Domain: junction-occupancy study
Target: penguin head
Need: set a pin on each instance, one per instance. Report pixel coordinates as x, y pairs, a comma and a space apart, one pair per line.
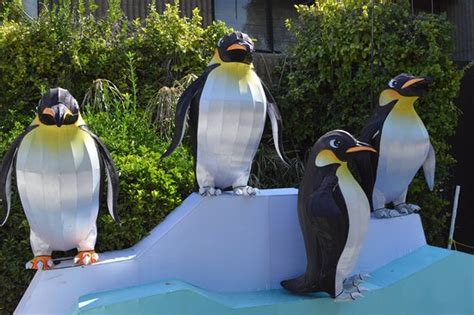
404, 86
236, 47
337, 147
58, 107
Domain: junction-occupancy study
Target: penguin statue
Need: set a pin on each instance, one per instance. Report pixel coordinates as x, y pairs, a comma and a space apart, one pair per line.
227, 106
58, 163
334, 214
403, 143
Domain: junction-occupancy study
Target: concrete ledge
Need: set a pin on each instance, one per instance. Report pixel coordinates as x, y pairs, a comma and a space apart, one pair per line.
222, 244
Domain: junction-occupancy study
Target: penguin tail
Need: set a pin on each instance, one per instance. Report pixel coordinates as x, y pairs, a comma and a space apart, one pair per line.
301, 285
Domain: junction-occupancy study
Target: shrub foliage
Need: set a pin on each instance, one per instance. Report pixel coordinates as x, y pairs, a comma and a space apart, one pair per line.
72, 48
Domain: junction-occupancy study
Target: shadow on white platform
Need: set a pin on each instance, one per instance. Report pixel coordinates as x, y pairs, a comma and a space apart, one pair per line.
222, 244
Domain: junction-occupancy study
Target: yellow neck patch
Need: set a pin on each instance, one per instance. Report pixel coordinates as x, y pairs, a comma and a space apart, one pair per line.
388, 96
405, 105
327, 157
80, 121
230, 65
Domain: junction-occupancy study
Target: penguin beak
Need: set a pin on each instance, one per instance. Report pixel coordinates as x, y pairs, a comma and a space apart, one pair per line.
361, 146
236, 47
61, 112
421, 82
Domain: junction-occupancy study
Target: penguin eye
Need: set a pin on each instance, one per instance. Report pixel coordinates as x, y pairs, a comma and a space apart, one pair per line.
335, 143
392, 83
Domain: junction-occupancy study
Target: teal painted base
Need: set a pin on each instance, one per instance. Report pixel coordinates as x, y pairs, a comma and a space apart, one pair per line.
430, 280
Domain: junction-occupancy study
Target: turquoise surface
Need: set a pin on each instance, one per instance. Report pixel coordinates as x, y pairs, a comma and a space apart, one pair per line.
430, 280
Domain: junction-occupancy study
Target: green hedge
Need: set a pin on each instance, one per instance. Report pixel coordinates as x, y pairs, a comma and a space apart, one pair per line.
328, 82
71, 48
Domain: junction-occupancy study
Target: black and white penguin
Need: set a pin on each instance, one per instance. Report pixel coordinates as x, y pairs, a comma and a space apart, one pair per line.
334, 214
58, 164
227, 104
403, 143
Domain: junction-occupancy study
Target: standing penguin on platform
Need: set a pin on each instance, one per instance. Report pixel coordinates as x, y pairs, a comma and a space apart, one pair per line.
334, 214
58, 164
227, 106
403, 143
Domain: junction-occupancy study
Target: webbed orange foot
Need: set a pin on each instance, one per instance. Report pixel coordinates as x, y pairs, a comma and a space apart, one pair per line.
40, 263
87, 257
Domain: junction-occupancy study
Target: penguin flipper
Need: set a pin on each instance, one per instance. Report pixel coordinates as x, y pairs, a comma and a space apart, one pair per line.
182, 109
374, 125
322, 206
6, 170
277, 125
429, 167
322, 201
110, 171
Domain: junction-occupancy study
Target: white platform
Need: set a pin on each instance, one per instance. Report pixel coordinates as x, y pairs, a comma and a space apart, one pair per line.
226, 243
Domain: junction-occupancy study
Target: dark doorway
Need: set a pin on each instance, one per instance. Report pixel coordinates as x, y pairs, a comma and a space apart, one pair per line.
464, 171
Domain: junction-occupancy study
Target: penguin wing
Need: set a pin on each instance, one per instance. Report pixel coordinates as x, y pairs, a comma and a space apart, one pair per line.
322, 201
277, 125
373, 127
182, 109
429, 167
110, 171
6, 170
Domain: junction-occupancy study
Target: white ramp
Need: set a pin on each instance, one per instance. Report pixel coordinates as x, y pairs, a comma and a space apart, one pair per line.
224, 244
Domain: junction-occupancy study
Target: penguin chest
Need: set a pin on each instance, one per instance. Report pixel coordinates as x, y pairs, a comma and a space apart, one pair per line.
58, 178
358, 210
231, 120
404, 146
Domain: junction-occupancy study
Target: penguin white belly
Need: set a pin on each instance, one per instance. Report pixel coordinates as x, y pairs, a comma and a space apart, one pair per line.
58, 179
232, 111
358, 210
404, 146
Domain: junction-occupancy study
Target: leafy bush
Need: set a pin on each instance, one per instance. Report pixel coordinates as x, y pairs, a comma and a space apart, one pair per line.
328, 82
71, 48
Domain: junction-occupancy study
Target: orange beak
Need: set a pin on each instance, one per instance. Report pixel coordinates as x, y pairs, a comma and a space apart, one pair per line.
361, 148
236, 47
411, 82
48, 111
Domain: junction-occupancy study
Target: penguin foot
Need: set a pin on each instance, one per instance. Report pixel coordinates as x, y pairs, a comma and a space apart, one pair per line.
352, 284
209, 191
245, 191
40, 263
385, 213
356, 279
346, 296
407, 208
87, 257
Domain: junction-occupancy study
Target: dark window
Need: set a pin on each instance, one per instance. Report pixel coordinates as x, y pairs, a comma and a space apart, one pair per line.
263, 20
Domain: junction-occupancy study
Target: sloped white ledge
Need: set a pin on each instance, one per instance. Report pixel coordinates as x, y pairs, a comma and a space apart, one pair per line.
223, 244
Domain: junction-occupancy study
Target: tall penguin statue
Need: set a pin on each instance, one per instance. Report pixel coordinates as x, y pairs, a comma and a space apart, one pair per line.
227, 106
334, 214
58, 164
403, 143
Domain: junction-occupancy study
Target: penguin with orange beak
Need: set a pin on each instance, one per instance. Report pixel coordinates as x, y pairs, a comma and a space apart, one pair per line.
227, 107
403, 143
334, 213
59, 163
